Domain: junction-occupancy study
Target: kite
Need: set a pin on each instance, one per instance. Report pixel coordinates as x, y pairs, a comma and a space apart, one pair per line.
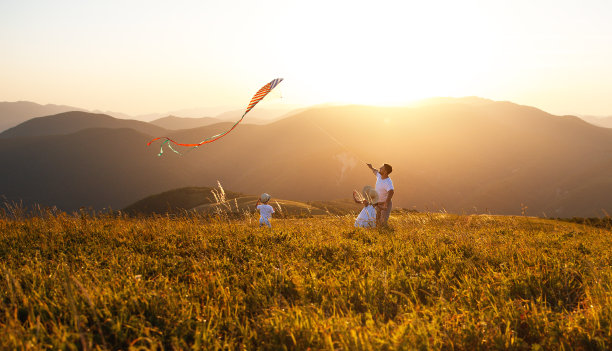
261, 93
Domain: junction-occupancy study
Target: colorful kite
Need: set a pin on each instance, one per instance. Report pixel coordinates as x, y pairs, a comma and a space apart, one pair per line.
261, 93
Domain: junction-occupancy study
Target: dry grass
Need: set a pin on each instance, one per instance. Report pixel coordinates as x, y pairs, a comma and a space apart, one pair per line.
434, 281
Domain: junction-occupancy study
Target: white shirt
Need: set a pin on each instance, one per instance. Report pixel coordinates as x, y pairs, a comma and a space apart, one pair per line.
265, 211
383, 186
366, 218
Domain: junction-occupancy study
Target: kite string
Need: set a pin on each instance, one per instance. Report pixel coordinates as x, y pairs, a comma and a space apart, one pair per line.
338, 142
217, 136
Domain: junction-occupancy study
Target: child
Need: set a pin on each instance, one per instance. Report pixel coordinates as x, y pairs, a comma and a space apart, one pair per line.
265, 210
367, 216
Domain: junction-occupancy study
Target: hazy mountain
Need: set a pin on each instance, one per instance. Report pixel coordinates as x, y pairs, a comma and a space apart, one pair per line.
605, 122
496, 157
256, 116
115, 114
470, 100
14, 113
93, 167
176, 123
74, 121
260, 115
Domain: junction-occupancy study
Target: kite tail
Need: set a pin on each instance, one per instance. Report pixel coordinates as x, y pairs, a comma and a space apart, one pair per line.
193, 146
261, 93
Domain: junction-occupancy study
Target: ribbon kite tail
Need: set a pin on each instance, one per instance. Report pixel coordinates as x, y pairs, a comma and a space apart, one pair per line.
261, 93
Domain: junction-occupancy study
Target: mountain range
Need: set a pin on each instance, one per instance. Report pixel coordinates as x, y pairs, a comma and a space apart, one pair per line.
15, 113
605, 122
74, 121
464, 156
175, 123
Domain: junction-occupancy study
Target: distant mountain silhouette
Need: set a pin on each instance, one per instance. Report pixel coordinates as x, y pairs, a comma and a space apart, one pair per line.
175, 123
14, 113
256, 116
71, 122
605, 122
470, 100
119, 115
97, 168
497, 157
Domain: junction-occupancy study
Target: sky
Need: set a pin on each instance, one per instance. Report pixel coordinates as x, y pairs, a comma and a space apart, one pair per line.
140, 57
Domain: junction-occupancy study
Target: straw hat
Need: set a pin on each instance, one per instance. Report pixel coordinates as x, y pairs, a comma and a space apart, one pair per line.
370, 194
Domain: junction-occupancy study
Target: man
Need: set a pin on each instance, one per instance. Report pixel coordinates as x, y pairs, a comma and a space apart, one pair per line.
384, 188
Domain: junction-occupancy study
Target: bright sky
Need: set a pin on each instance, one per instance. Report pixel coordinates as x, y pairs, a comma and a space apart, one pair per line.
140, 57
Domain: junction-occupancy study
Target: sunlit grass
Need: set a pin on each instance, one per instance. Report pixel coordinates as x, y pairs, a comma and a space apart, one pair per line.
436, 281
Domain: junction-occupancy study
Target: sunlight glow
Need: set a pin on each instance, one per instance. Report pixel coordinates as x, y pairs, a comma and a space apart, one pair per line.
141, 57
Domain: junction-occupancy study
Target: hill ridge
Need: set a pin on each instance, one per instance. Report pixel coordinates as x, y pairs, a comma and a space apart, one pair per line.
494, 157
73, 121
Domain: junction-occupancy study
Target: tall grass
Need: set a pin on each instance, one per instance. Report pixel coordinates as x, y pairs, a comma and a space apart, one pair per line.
432, 281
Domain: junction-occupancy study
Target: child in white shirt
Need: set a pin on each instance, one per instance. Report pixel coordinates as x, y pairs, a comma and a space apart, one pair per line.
367, 216
265, 210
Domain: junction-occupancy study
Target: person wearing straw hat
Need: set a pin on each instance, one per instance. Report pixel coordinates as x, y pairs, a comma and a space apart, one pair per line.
369, 198
385, 190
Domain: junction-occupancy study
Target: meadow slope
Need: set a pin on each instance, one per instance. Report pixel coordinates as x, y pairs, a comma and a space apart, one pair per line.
434, 281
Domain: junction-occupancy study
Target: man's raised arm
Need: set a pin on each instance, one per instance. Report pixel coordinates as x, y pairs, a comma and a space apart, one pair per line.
374, 170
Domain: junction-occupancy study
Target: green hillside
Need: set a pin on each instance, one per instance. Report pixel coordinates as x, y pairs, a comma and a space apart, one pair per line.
177, 200
432, 281
204, 200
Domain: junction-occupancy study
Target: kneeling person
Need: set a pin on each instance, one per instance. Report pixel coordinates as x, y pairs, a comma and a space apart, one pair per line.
367, 216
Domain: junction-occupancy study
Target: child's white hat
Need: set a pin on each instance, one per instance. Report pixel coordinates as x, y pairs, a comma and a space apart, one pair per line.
370, 194
265, 197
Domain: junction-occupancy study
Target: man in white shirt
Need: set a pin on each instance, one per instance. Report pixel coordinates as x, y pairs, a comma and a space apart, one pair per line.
385, 190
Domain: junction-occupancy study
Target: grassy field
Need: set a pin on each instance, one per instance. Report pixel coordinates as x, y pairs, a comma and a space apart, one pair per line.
432, 281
